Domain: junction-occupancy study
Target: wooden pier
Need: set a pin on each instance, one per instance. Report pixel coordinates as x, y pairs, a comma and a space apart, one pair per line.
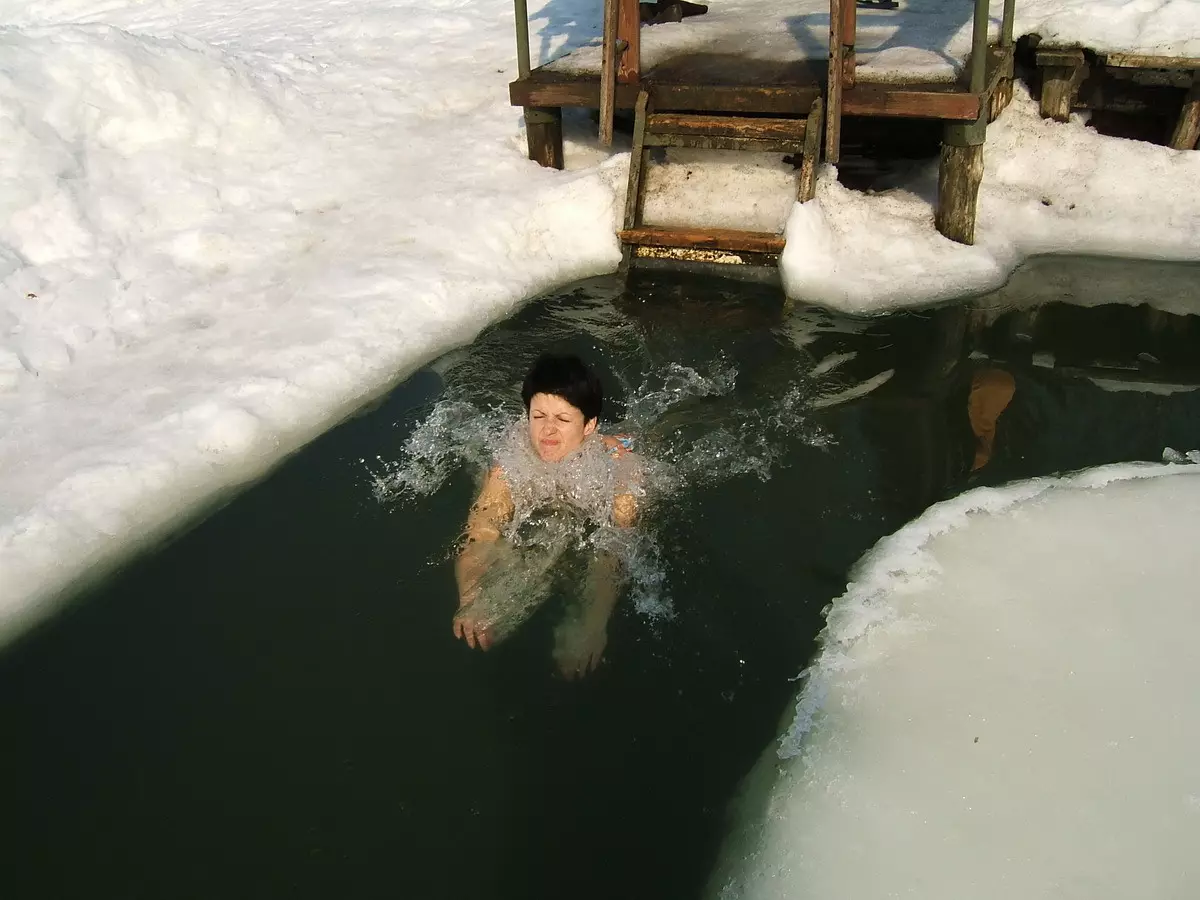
710, 99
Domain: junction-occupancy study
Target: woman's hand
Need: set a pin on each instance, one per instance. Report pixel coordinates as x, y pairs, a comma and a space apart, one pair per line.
468, 627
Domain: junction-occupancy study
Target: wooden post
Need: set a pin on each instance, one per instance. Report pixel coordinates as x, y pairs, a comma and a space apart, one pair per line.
849, 29
1187, 129
543, 133
1006, 24
961, 167
521, 17
833, 112
959, 175
806, 189
629, 30
1062, 72
608, 73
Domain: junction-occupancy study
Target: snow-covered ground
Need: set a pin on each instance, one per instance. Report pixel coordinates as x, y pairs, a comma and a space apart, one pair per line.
228, 222
920, 40
1004, 706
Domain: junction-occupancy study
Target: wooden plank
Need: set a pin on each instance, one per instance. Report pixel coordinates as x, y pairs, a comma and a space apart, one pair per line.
629, 30
886, 100
704, 238
1059, 86
806, 187
608, 72
1140, 61
552, 89
726, 126
718, 142
637, 163
1070, 57
865, 99
1187, 127
543, 134
849, 31
833, 84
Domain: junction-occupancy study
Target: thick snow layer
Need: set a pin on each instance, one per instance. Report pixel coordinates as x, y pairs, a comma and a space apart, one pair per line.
1004, 706
224, 223
920, 40
1048, 187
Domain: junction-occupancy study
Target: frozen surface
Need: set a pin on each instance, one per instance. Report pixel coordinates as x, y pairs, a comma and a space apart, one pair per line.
1004, 706
920, 40
225, 223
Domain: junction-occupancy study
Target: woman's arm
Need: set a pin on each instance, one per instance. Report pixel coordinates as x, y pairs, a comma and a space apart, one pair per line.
491, 510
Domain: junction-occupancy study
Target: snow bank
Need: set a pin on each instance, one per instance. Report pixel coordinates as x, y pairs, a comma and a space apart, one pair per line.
1048, 187
213, 245
1003, 707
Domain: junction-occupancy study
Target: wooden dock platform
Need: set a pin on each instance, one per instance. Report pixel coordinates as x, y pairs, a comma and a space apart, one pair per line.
764, 77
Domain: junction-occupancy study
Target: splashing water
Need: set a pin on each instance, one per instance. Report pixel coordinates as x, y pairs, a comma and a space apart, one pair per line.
690, 427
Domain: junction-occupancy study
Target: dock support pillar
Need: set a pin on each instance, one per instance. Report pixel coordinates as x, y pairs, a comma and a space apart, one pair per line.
961, 169
959, 176
543, 132
1062, 73
1187, 129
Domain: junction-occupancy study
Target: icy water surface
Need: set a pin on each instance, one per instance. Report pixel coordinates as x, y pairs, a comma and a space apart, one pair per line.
273, 704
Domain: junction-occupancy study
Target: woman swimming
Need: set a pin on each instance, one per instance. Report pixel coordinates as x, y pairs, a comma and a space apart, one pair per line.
554, 468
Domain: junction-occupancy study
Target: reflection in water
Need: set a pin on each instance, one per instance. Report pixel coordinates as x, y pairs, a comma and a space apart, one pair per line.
718, 381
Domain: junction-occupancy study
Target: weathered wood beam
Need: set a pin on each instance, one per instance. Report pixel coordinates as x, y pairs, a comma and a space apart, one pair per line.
959, 175
849, 32
636, 191
833, 84
608, 72
1140, 61
806, 187
1187, 128
865, 99
544, 136
629, 30
703, 238
726, 126
1062, 73
584, 91
718, 142
885, 100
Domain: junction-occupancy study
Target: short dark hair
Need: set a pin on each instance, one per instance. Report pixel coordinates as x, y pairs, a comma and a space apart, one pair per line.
567, 377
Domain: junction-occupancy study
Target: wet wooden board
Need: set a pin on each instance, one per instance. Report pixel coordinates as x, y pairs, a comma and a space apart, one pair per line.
727, 126
704, 238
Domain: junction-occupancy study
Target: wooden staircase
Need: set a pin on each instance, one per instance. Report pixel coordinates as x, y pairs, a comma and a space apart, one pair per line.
652, 128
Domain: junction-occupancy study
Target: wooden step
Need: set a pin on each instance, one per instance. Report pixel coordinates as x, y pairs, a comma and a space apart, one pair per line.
718, 142
726, 126
703, 239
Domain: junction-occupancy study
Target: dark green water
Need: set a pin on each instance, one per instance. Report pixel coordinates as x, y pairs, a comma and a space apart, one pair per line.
273, 704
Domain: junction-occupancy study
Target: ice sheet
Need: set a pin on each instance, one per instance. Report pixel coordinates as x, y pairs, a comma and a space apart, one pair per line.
1003, 706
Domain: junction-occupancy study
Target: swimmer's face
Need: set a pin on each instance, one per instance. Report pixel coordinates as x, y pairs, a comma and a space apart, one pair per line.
556, 428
